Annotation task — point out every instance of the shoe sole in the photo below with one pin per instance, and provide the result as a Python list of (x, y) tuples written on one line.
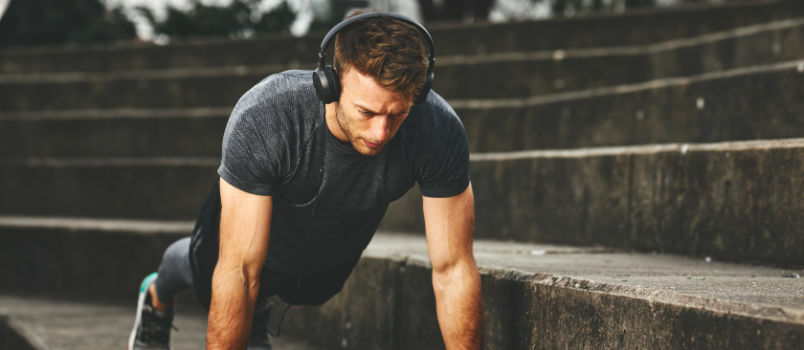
[(140, 302)]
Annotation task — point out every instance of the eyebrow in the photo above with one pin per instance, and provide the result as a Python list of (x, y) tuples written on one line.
[(365, 109), (374, 112)]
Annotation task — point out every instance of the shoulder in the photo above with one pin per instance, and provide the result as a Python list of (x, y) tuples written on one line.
[(280, 90), (280, 102), (432, 121), (266, 131), (437, 148)]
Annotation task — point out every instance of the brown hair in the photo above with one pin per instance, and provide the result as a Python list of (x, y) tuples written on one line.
[(389, 50)]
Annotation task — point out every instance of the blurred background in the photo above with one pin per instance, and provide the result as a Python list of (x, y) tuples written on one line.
[(36, 22)]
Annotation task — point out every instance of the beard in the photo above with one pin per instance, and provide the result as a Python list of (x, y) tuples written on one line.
[(354, 140)]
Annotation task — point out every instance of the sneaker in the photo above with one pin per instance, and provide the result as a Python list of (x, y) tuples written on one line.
[(260, 338), (151, 327)]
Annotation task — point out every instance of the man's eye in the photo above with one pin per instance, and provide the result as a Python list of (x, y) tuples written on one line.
[(366, 113)]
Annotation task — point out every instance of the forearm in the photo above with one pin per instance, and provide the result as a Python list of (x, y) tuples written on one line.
[(459, 305), (231, 309)]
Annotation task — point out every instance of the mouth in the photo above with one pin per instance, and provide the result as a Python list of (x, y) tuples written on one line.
[(372, 145)]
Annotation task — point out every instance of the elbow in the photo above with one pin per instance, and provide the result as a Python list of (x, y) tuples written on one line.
[(456, 271), (443, 268), (237, 274), (251, 278)]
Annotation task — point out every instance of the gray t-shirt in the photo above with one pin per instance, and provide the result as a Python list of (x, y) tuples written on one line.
[(328, 199)]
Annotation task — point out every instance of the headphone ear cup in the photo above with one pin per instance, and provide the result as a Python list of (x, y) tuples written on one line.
[(335, 81), (327, 85), (428, 84)]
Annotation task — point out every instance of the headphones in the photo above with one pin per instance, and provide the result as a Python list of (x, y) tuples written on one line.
[(325, 79)]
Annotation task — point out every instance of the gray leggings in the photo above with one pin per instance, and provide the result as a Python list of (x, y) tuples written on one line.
[(175, 273)]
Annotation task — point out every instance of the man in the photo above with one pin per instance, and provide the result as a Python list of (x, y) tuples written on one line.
[(304, 183)]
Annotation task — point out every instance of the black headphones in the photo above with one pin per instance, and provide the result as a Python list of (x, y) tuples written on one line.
[(325, 79)]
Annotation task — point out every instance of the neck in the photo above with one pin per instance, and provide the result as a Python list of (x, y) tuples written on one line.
[(332, 122)]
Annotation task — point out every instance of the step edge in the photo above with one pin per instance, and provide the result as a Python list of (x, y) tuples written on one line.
[(796, 65), (451, 60), (79, 224), (604, 151)]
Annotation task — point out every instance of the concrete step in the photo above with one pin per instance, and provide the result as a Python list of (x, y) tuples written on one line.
[(113, 133), (209, 87), (525, 74), (633, 28), (48, 322), (157, 188), (83, 256), (511, 75), (740, 104), (522, 74), (738, 201), (535, 297), (701, 108), (735, 201), (198, 53)]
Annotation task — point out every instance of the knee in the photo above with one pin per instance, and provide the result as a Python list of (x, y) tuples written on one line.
[(180, 248), (178, 251)]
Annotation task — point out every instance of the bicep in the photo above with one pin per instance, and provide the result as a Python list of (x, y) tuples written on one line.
[(244, 229), (449, 225)]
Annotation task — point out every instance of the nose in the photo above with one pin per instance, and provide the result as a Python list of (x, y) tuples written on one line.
[(380, 128)]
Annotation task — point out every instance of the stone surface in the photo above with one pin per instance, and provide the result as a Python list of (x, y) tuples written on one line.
[(760, 102), (700, 108), (154, 89), (76, 324), (635, 28), (153, 188), (525, 74), (11, 337), (731, 200), (535, 296), (506, 77), (194, 54), (638, 27), (113, 133), (97, 258), (734, 201)]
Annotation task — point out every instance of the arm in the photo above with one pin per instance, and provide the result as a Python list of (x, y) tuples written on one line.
[(244, 232), (449, 223)]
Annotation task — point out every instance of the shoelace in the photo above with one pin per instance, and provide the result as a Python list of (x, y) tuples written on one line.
[(155, 328)]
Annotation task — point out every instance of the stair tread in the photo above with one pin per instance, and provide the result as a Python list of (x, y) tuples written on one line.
[(764, 291), (52, 323), (757, 291)]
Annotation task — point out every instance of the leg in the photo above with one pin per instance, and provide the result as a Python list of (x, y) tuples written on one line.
[(154, 318), (175, 275)]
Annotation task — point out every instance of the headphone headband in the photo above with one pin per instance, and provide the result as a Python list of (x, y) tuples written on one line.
[(337, 28), (325, 79)]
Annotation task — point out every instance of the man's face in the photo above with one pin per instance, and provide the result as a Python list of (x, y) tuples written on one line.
[(369, 114)]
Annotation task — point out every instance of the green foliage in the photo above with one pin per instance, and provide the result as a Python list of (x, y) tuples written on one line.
[(33, 22), (237, 20)]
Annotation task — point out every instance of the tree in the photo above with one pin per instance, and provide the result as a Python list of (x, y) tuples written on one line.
[(35, 22), (240, 19), (455, 10)]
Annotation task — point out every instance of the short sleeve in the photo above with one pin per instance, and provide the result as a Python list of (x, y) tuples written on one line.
[(250, 156), (442, 168)]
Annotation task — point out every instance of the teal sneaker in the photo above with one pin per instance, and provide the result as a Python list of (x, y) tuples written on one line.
[(151, 326)]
